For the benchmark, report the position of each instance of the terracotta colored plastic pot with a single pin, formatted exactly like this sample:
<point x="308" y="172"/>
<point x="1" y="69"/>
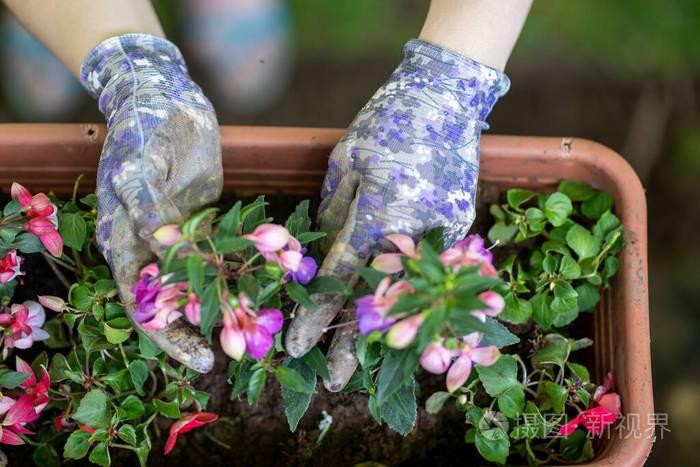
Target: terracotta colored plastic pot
<point x="294" y="160"/>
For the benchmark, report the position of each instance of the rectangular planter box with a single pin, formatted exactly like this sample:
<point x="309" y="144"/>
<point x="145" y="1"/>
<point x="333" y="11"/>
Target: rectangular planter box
<point x="294" y="161"/>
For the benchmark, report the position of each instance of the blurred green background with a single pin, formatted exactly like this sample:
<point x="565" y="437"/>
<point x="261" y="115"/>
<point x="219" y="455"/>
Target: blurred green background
<point x="625" y="73"/>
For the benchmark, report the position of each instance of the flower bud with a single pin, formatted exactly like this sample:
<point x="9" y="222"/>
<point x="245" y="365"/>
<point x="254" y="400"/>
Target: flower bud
<point x="52" y="302"/>
<point x="232" y="342"/>
<point x="20" y="193"/>
<point x="193" y="309"/>
<point x="401" y="334"/>
<point x="268" y="237"/>
<point x="167" y="235"/>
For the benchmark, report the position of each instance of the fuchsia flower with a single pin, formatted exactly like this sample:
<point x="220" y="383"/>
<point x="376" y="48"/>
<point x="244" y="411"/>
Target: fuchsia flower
<point x="597" y="418"/>
<point x="437" y="359"/>
<point x="494" y="305"/>
<point x="296" y="266"/>
<point x="23" y="325"/>
<point x="390" y="263"/>
<point x="244" y="329"/>
<point x="43" y="219"/>
<point x="188" y="422"/>
<point x="470" y="252"/>
<point x="10" y="266"/>
<point x="157" y="303"/>
<point x="372" y="309"/>
<point x="38" y="391"/>
<point x="268" y="238"/>
<point x="17" y="414"/>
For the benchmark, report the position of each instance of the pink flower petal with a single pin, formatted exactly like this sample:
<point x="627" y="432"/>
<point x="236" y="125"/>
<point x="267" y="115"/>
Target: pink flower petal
<point x="597" y="419"/>
<point x="5" y="404"/>
<point x="53" y="243"/>
<point x="290" y="260"/>
<point x="20" y="193"/>
<point x="23" y="367"/>
<point x="436" y="358"/>
<point x="458" y="373"/>
<point x="611" y="402"/>
<point x="271" y="319"/>
<point x="485" y="356"/>
<point x="37" y="315"/>
<point x="233" y="342"/>
<point x="401" y="334"/>
<point x="404" y="243"/>
<point x="472" y="339"/>
<point x="570" y="427"/>
<point x="10" y="438"/>
<point x="389" y="263"/>
<point x="258" y="342"/>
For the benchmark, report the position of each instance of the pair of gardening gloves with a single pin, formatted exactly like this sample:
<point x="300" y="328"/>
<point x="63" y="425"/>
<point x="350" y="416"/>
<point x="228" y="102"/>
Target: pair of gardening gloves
<point x="408" y="164"/>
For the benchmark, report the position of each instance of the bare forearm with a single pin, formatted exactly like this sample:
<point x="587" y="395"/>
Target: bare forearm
<point x="482" y="30"/>
<point x="71" y="28"/>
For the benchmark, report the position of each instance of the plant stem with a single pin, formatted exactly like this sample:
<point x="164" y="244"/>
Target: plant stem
<point x="56" y="271"/>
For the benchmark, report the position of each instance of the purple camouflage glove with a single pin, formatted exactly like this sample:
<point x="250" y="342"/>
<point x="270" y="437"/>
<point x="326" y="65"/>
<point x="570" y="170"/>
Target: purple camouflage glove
<point x="160" y="162"/>
<point x="408" y="163"/>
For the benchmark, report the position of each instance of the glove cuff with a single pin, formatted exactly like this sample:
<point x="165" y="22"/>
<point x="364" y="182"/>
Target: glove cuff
<point x="112" y="69"/>
<point x="476" y="87"/>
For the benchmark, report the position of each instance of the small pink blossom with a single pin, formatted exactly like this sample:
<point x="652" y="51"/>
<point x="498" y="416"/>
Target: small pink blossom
<point x="23" y="325"/>
<point x="470" y="252"/>
<point x="37" y="390"/>
<point x="188" y="422"/>
<point x="17" y="413"/>
<point x="245" y="329"/>
<point x="372" y="309"/>
<point x="43" y="218"/>
<point x="296" y="266"/>
<point x="597" y="418"/>
<point x="494" y="305"/>
<point x="268" y="237"/>
<point x="10" y="266"/>
<point x="157" y="303"/>
<point x="390" y="263"/>
<point x="469" y="353"/>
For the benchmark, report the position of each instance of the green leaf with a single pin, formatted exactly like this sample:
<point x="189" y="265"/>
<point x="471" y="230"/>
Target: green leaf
<point x="138" y="370"/>
<point x="253" y="214"/>
<point x="299" y="294"/>
<point x="576" y="191"/>
<point x="499" y="377"/>
<point x="542" y="312"/>
<point x="308" y="237"/>
<point x="77" y="445"/>
<point x="250" y="286"/>
<point x="299" y="221"/>
<point x="131" y="408"/>
<point x="512" y="401"/>
<point x="210" y="309"/>
<point x="169" y="409"/>
<point x="569" y="268"/>
<point x="557" y="208"/>
<point x="371" y="276"/>
<point x="582" y="242"/>
<point x="195" y="273"/>
<point x="400" y="409"/>
<point x="555" y="352"/>
<point x="317" y="361"/>
<point x="256" y="385"/>
<point x="517" y="311"/>
<point x="94" y="410"/>
<point x="594" y="207"/>
<point x="12" y="379"/>
<point x="115" y="335"/>
<point x="435" y="402"/>
<point x="536" y="219"/>
<point x="230" y="222"/>
<point x="374" y="409"/>
<point x="494" y="333"/>
<point x="493" y="445"/>
<point x="81" y="297"/>
<point x="147" y="347"/>
<point x="100" y="455"/>
<point x="517" y="196"/>
<point x="232" y="244"/>
<point x="297" y="403"/>
<point x="73" y="230"/>
<point x="11" y="207"/>
<point x="576" y="448"/>
<point x="292" y="380"/>
<point x="557" y="395"/>
<point x="127" y="433"/>
<point x="502" y="233"/>
<point x="588" y="296"/>
<point x="28" y="243"/>
<point x="398" y="366"/>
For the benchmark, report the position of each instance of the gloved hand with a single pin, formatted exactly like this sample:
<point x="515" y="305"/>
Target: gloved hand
<point x="408" y="163"/>
<point x="161" y="161"/>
